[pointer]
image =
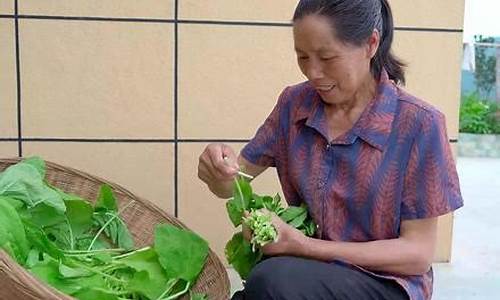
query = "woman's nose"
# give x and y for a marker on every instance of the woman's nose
(314, 72)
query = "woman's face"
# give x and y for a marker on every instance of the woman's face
(339, 71)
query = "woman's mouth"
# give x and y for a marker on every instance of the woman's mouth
(325, 88)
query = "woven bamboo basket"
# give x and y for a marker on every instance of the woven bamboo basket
(141, 217)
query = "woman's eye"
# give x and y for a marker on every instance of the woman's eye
(327, 58)
(303, 57)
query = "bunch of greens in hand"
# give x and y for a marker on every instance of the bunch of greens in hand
(86, 250)
(244, 255)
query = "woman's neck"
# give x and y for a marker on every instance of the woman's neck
(357, 103)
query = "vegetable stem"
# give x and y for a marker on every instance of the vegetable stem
(131, 252)
(170, 284)
(107, 223)
(174, 296)
(241, 194)
(71, 237)
(100, 273)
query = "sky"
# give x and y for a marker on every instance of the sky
(481, 17)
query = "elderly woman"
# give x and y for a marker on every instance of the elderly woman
(371, 161)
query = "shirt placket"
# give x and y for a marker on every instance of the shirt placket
(323, 187)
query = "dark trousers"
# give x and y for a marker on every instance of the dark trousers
(292, 278)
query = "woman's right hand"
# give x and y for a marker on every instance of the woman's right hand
(217, 167)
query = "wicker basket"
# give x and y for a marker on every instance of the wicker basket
(141, 217)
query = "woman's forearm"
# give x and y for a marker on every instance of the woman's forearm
(400, 256)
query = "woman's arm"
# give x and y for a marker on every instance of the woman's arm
(410, 254)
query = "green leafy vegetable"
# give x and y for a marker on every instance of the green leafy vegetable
(189, 250)
(262, 228)
(87, 251)
(244, 255)
(24, 181)
(106, 200)
(239, 254)
(12, 235)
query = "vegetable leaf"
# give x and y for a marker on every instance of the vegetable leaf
(150, 284)
(242, 200)
(181, 253)
(94, 293)
(292, 212)
(24, 181)
(106, 199)
(116, 230)
(12, 235)
(79, 214)
(240, 255)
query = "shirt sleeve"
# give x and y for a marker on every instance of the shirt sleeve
(431, 186)
(262, 149)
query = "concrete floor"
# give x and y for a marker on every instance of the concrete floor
(474, 272)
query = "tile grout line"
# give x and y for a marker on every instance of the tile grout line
(176, 109)
(18, 82)
(132, 140)
(202, 22)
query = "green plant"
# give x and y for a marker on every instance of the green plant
(479, 116)
(485, 73)
(86, 250)
(494, 117)
(244, 255)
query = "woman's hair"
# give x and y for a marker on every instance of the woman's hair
(354, 22)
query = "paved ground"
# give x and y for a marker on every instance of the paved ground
(474, 272)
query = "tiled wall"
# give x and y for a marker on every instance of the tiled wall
(134, 90)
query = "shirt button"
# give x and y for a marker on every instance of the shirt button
(321, 184)
(328, 146)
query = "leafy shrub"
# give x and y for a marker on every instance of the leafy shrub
(479, 116)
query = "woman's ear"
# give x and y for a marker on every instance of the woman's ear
(373, 43)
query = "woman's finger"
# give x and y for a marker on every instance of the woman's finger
(219, 165)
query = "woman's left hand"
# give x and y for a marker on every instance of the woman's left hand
(289, 240)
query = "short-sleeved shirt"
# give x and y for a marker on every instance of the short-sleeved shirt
(394, 164)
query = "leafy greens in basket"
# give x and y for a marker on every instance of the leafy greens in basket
(87, 251)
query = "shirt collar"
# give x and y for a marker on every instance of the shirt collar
(373, 126)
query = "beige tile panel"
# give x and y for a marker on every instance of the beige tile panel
(444, 238)
(8, 83)
(238, 10)
(7, 7)
(230, 78)
(425, 13)
(8, 149)
(454, 150)
(419, 13)
(99, 8)
(96, 79)
(445, 230)
(143, 168)
(203, 212)
(444, 249)
(433, 73)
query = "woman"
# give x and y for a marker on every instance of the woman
(372, 163)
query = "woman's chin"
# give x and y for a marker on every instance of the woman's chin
(332, 99)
